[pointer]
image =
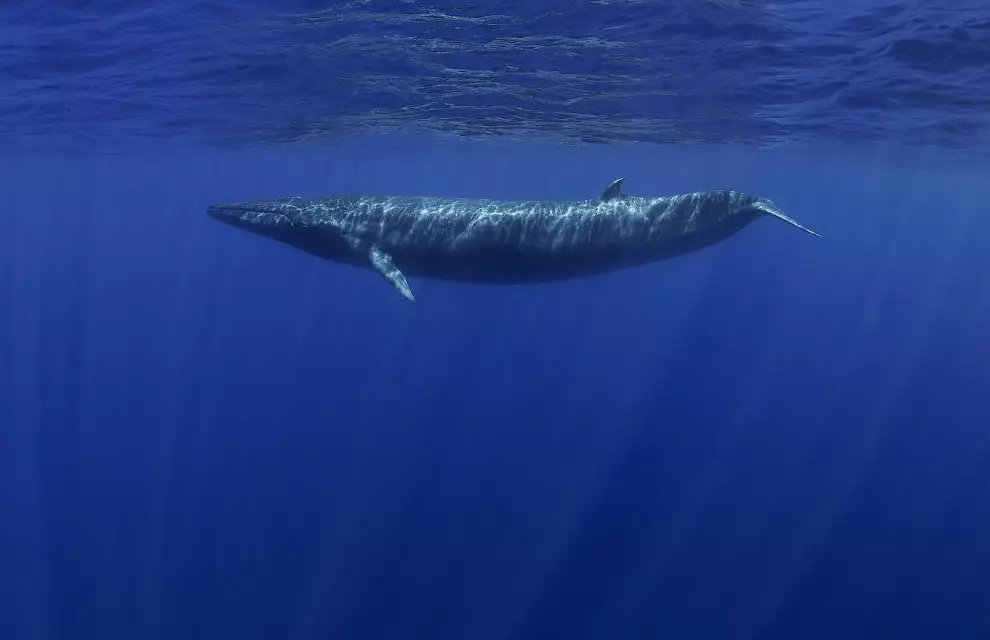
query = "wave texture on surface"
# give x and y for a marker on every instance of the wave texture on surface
(744, 71)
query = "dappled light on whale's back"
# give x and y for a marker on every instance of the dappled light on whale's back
(500, 241)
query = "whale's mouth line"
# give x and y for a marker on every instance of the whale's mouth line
(228, 211)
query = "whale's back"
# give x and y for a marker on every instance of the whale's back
(497, 241)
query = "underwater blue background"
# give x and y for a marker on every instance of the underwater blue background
(206, 434)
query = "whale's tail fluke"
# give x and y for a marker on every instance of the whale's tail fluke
(767, 207)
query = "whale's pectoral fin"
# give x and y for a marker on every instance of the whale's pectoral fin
(614, 191)
(383, 264)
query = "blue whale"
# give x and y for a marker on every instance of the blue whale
(499, 241)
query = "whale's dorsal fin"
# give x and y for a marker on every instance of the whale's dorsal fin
(614, 191)
(383, 264)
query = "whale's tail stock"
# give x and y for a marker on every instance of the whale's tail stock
(767, 207)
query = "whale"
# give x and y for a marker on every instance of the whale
(500, 241)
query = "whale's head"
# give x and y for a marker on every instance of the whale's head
(300, 222)
(271, 219)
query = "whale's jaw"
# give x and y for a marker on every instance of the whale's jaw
(251, 216)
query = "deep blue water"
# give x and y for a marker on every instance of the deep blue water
(204, 434)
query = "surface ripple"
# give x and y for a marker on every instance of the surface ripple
(232, 73)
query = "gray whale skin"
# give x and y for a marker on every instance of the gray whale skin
(499, 241)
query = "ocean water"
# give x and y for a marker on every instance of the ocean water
(116, 74)
(205, 434)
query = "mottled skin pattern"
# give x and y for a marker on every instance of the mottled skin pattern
(496, 241)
